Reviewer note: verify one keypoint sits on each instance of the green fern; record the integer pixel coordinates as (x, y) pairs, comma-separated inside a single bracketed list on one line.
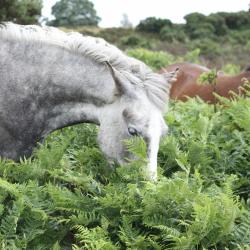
[(67, 196)]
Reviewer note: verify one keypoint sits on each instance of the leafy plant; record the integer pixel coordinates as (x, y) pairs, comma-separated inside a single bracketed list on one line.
[(156, 60), (135, 41), (209, 78), (67, 196), (152, 24), (22, 12), (74, 13)]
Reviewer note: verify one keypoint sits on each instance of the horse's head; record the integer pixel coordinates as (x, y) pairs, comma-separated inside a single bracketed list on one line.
[(132, 114)]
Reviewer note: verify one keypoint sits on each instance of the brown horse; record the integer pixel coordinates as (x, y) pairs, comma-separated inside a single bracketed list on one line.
[(186, 83)]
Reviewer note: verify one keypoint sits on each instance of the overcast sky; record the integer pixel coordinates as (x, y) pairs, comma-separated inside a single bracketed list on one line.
[(111, 11)]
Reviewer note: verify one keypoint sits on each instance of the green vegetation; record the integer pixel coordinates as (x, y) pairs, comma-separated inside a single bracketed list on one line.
[(74, 13), (20, 11), (155, 60), (220, 37), (68, 196), (153, 24)]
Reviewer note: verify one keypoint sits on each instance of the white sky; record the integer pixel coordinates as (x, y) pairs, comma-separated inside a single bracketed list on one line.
[(111, 11)]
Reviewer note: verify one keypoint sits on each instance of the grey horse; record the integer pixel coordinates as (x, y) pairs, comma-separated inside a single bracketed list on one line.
[(50, 79)]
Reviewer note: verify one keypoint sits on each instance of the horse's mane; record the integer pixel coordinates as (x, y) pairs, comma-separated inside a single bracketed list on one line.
[(97, 49)]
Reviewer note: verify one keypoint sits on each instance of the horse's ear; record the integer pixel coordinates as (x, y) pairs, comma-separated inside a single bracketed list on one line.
[(121, 82), (171, 77)]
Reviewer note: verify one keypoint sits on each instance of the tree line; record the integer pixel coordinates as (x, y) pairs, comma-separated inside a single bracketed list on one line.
[(82, 12), (197, 25)]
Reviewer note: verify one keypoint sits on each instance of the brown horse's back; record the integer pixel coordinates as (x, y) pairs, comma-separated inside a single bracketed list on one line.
[(186, 84)]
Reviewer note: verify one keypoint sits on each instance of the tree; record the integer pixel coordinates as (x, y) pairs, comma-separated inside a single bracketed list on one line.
[(194, 21), (200, 26), (153, 25), (238, 20), (20, 11), (219, 24), (74, 13)]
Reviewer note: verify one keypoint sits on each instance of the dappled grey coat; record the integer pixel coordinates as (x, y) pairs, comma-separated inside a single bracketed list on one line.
[(50, 79)]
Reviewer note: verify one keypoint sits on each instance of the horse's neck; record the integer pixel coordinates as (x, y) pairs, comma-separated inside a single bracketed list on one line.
[(67, 87), (87, 88), (81, 79)]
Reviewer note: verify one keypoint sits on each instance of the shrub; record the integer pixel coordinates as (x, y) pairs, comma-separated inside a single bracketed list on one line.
[(237, 21), (203, 30), (155, 60), (219, 24), (231, 69), (152, 24), (114, 35), (193, 56), (170, 34), (207, 47), (135, 41), (240, 37), (193, 21)]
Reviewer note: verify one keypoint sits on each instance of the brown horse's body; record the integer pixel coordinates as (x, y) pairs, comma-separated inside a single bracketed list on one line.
[(186, 84)]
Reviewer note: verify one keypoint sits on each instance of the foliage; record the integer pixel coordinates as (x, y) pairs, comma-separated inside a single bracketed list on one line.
[(156, 60), (237, 21), (68, 197), (74, 13), (208, 78), (219, 24), (207, 35), (204, 30), (240, 37), (193, 22), (193, 56), (170, 34), (135, 41), (231, 69), (20, 11), (115, 35), (153, 24), (208, 47)]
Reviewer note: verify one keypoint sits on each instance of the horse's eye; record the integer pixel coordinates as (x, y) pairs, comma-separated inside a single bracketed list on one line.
[(132, 131)]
